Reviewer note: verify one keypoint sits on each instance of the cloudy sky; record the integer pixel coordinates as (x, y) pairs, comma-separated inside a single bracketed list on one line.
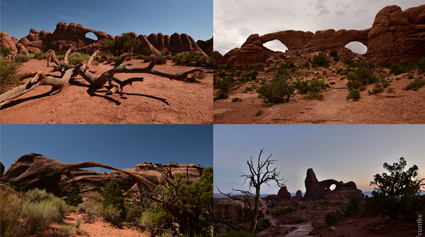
[(192, 17), (121, 146), (235, 20), (341, 152)]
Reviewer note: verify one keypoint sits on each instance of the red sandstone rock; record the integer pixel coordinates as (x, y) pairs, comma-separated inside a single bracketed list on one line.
[(6, 41), (1, 169), (395, 36), (36, 171), (298, 195), (235, 208), (284, 194), (321, 189)]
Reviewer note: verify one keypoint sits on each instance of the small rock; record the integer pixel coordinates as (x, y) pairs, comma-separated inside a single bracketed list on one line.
[(331, 228), (52, 111), (380, 229)]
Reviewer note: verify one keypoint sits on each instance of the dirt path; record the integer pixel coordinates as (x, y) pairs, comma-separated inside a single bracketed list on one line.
[(156, 100)]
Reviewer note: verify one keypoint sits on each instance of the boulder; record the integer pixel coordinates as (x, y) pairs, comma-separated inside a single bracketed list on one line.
[(321, 189), (7, 41), (235, 208)]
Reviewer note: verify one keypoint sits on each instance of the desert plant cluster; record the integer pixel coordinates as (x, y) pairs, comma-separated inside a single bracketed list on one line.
[(179, 206)]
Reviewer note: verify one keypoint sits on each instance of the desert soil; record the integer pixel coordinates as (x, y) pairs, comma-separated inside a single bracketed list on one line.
[(400, 107), (156, 100)]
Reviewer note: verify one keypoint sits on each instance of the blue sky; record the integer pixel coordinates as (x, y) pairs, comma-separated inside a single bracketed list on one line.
[(121, 146), (341, 152), (192, 17)]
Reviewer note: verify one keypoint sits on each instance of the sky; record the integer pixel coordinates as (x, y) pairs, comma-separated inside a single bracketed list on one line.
[(120, 146), (235, 20), (192, 17), (341, 152)]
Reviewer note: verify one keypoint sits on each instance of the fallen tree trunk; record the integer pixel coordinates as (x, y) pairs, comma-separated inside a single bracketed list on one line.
[(69, 71)]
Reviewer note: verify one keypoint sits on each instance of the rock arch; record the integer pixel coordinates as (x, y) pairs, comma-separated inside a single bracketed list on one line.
[(357, 47), (276, 45), (91, 35)]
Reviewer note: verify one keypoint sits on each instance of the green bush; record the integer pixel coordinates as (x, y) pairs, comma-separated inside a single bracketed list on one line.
[(397, 193), (362, 76), (333, 216), (40, 55), (333, 53), (74, 198), (4, 51), (354, 95), (160, 59), (318, 225), (112, 196), (146, 52), (417, 84), (276, 90), (221, 94), (8, 74), (320, 61), (77, 58), (421, 65), (21, 58), (262, 224), (258, 113), (236, 99), (154, 219), (121, 44), (110, 214)]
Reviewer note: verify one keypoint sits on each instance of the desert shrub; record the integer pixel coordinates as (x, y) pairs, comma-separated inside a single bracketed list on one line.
[(318, 225), (160, 59), (40, 55), (421, 65), (39, 215), (397, 193), (362, 88), (386, 65), (390, 90), (276, 90), (361, 76), (110, 214), (410, 76), (333, 53), (21, 58), (77, 58), (221, 94), (112, 196), (385, 83), (320, 60), (304, 206), (258, 113), (262, 224), (375, 90), (352, 206), (8, 70), (236, 99), (417, 84), (155, 219), (235, 233), (325, 203), (333, 217), (11, 213), (4, 51), (354, 94), (332, 83)]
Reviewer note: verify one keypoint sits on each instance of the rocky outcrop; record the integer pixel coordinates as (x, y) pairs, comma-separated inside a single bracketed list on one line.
[(36, 171), (235, 208), (298, 195), (74, 36), (321, 189), (1, 169), (7, 41), (395, 37), (283, 194), (206, 46)]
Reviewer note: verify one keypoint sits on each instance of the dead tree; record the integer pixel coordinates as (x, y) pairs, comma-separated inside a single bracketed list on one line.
[(260, 174), (68, 71)]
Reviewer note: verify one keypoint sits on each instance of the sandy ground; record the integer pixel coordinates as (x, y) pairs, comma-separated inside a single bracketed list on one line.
[(156, 100), (400, 107)]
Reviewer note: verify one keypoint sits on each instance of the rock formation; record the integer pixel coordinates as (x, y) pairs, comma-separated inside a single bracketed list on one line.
[(298, 195), (395, 36), (283, 194), (74, 36), (1, 169), (235, 209), (321, 189), (36, 171)]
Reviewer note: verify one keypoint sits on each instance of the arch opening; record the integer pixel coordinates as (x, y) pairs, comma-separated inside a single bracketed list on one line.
[(357, 47), (91, 35), (276, 45), (332, 187)]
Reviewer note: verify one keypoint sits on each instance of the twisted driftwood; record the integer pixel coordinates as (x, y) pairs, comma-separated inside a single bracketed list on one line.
[(68, 71)]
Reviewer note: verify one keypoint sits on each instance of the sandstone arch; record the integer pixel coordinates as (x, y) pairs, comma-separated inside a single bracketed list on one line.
[(91, 35)]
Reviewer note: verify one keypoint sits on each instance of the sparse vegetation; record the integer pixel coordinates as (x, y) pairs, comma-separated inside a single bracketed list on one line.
[(276, 90), (333, 216), (8, 71), (354, 95), (121, 44)]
